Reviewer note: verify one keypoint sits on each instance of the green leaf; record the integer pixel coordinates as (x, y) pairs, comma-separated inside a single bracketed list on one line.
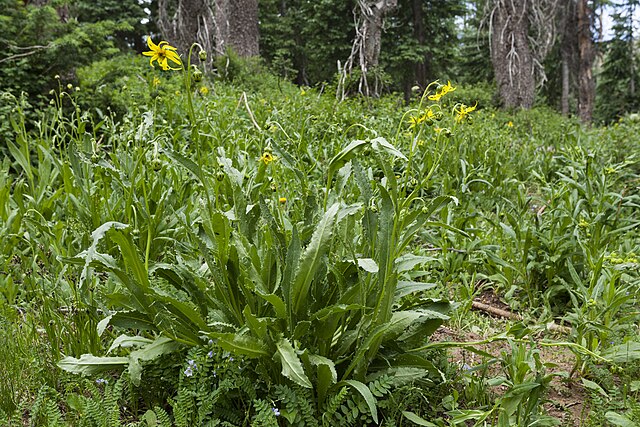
[(366, 393), (367, 264), (623, 353), (291, 365), (241, 344), (89, 364), (595, 387), (417, 420), (405, 288), (380, 144), (311, 259), (126, 341), (619, 420)]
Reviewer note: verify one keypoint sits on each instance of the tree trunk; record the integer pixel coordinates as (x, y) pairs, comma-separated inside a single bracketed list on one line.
[(373, 13), (237, 27), (512, 57), (564, 100), (586, 84), (192, 22), (568, 51)]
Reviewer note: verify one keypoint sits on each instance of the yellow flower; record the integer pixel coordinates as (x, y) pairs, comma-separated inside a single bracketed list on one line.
[(282, 200), (415, 121), (156, 81), (162, 52), (266, 158), (442, 91), (463, 111), (510, 123), (203, 90)]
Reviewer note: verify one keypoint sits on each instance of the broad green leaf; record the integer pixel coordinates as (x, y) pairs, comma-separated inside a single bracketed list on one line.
[(161, 345), (311, 259), (405, 288), (367, 264), (623, 353), (125, 341), (380, 144), (619, 420), (89, 364), (241, 344), (595, 387), (291, 365)]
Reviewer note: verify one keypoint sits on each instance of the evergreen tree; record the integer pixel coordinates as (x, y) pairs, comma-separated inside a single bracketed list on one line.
[(617, 84)]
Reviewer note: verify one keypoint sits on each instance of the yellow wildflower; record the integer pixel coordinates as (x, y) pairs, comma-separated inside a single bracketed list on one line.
[(156, 81), (162, 52), (415, 121), (463, 111), (442, 91), (510, 123), (282, 200), (203, 90), (266, 158)]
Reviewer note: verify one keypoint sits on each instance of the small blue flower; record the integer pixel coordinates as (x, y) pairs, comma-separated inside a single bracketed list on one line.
[(210, 342), (231, 359), (101, 381), (192, 364), (188, 372), (276, 412), (210, 354)]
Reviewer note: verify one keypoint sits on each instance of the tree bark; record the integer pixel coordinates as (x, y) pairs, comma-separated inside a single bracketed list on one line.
[(568, 52), (237, 27), (192, 22), (373, 13), (586, 83), (511, 55)]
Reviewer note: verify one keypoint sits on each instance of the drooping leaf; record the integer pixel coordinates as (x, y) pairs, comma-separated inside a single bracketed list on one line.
[(366, 393)]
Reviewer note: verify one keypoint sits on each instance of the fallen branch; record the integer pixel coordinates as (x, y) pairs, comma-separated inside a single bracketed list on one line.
[(495, 311)]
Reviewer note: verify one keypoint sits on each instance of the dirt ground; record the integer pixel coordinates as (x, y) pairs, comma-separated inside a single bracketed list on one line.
[(565, 398)]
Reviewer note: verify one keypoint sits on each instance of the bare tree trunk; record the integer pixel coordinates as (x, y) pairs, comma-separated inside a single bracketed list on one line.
[(367, 44), (586, 84), (568, 51), (237, 27), (512, 57), (192, 22), (564, 100)]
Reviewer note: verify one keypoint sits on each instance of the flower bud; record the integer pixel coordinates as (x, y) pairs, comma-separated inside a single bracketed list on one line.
[(202, 55)]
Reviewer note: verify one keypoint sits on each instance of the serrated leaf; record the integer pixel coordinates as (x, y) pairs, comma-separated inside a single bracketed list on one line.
[(311, 259), (291, 365)]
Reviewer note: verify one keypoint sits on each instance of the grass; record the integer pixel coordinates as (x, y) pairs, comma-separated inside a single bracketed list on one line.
[(158, 252)]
